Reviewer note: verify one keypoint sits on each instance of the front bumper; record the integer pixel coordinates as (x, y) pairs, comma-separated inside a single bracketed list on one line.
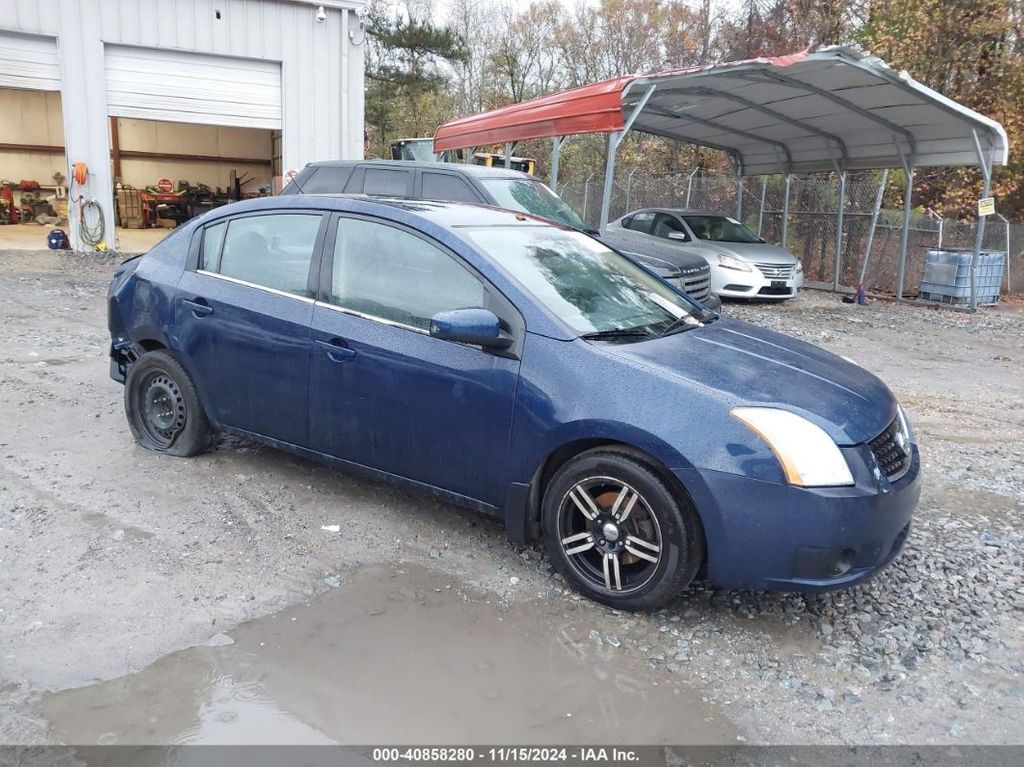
[(713, 302), (764, 535), (730, 283)]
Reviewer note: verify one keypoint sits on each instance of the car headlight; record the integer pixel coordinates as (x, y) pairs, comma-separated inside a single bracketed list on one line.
[(729, 262), (904, 425), (799, 267), (808, 455)]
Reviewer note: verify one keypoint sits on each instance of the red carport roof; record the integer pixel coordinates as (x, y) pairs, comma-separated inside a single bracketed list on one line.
[(810, 111), (594, 108)]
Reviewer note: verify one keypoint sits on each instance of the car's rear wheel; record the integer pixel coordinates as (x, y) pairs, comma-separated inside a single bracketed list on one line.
[(617, 533), (163, 407)]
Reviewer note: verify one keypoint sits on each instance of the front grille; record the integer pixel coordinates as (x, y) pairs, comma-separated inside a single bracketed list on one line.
[(891, 449), (777, 271), (696, 283)]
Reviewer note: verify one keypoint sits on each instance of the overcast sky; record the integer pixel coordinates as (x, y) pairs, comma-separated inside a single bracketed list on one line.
[(440, 6)]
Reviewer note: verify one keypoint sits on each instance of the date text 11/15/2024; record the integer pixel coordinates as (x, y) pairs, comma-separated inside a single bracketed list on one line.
[(504, 754)]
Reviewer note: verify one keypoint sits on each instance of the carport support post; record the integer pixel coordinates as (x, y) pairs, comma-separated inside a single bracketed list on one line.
[(874, 223), (556, 153), (839, 229), (614, 139), (908, 191), (760, 213), (508, 155), (609, 176), (979, 236), (689, 184), (785, 214), (739, 192)]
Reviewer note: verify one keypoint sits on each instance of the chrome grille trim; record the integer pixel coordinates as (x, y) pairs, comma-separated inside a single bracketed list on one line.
[(893, 459), (696, 283), (777, 271)]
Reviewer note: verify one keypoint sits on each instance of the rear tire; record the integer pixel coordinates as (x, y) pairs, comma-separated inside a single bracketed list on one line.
[(163, 408), (618, 533)]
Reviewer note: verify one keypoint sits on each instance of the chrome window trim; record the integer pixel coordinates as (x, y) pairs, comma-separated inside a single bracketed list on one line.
[(275, 291), (373, 317)]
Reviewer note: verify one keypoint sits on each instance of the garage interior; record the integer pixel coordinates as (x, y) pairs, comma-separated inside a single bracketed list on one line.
[(202, 164), (164, 171)]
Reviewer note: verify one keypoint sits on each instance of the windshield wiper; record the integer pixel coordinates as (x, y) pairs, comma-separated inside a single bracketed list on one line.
[(686, 322), (601, 335)]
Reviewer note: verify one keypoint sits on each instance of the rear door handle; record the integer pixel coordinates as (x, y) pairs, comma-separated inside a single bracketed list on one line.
[(198, 307), (337, 350)]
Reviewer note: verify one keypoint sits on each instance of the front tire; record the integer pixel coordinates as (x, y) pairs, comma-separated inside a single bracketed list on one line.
[(618, 533), (163, 407)]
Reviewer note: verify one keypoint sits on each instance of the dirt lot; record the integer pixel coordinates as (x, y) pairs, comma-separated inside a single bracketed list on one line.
[(416, 621)]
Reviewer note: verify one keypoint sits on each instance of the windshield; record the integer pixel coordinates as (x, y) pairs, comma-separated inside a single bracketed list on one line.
[(421, 149), (720, 229), (530, 196), (589, 287)]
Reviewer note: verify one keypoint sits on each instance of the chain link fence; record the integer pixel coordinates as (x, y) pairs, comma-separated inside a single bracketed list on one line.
[(811, 233)]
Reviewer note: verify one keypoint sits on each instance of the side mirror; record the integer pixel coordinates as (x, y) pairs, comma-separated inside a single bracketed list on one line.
[(678, 236), (479, 327)]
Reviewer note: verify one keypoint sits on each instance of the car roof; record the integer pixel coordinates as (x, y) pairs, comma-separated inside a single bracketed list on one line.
[(678, 211), (465, 169), (450, 215)]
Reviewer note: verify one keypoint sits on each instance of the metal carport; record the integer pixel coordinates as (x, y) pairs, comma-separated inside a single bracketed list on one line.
[(819, 110)]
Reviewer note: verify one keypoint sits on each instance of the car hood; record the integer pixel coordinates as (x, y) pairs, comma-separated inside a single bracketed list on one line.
[(749, 365), (643, 246), (755, 252)]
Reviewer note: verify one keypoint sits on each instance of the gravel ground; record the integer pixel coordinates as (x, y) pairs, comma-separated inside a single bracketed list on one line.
[(110, 561)]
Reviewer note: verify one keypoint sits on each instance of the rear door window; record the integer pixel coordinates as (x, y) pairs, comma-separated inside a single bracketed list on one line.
[(385, 181), (446, 186), (270, 251)]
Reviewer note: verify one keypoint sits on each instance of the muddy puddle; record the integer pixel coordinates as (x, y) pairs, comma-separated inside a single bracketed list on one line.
[(402, 655)]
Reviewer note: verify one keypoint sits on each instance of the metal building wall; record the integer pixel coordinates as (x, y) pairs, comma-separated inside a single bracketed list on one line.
[(321, 67)]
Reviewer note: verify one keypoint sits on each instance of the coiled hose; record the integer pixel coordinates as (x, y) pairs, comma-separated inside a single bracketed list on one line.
[(92, 235)]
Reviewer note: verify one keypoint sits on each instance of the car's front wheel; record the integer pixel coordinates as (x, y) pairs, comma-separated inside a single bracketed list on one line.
[(163, 407), (617, 533)]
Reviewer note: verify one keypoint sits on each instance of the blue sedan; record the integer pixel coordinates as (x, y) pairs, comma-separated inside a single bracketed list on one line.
[(525, 370)]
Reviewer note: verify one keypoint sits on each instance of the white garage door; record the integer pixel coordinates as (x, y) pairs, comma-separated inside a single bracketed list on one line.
[(193, 88), (30, 62)]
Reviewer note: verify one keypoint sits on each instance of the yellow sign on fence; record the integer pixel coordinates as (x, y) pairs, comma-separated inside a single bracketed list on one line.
[(987, 206)]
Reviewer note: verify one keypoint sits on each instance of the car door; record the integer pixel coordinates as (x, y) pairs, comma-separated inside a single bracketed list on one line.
[(383, 392), (242, 319)]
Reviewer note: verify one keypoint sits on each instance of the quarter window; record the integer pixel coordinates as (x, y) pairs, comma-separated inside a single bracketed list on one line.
[(213, 238), (273, 251), (390, 274)]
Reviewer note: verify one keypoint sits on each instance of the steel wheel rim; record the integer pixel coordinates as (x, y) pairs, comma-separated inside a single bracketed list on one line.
[(610, 535), (161, 408)]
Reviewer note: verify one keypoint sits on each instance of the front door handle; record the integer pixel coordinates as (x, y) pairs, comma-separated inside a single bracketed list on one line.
[(199, 308), (337, 350)]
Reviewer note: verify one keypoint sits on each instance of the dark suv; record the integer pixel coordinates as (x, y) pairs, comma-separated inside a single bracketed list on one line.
[(501, 188)]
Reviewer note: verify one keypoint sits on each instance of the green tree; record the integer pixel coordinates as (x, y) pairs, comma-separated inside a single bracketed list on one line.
[(403, 70), (970, 51)]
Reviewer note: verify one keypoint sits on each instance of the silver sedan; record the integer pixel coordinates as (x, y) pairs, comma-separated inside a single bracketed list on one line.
[(742, 264)]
